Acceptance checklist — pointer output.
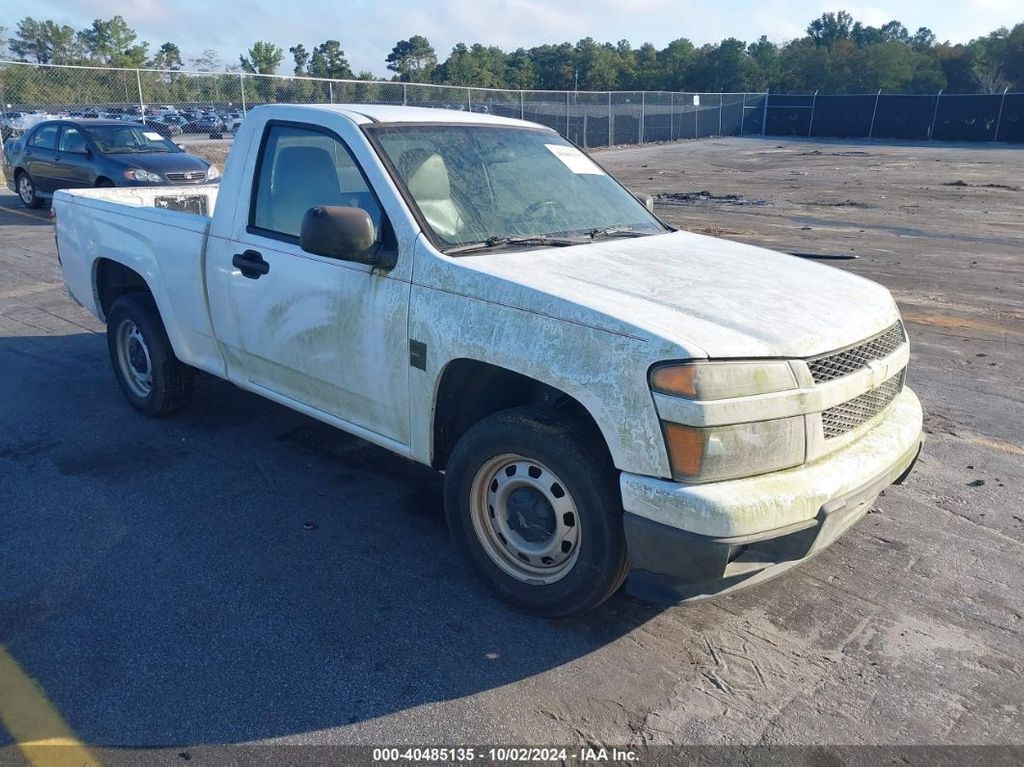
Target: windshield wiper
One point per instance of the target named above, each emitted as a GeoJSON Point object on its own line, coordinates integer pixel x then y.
{"type": "Point", "coordinates": [504, 242]}
{"type": "Point", "coordinates": [615, 231]}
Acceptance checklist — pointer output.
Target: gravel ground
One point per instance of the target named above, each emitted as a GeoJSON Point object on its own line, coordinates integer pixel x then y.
{"type": "Point", "coordinates": [157, 580]}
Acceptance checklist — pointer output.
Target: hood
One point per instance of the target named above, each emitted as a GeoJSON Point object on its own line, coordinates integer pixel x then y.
{"type": "Point", "coordinates": [159, 162]}
{"type": "Point", "coordinates": [711, 297]}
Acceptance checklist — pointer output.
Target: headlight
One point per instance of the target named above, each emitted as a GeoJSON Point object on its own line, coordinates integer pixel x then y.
{"type": "Point", "coordinates": [716, 453]}
{"type": "Point", "coordinates": [138, 174]}
{"type": "Point", "coordinates": [212, 174]}
{"type": "Point", "coordinates": [727, 452]}
{"type": "Point", "coordinates": [722, 380]}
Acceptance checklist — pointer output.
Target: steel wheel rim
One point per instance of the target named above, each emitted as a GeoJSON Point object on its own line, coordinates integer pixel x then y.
{"type": "Point", "coordinates": [525, 519]}
{"type": "Point", "coordinates": [133, 359]}
{"type": "Point", "coordinates": [25, 189]}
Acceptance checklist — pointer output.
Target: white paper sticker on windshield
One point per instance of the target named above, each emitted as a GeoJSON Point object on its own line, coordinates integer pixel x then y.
{"type": "Point", "coordinates": [574, 159]}
{"type": "Point", "coordinates": [152, 135]}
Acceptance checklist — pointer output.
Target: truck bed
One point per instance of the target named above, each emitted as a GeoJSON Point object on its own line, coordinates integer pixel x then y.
{"type": "Point", "coordinates": [195, 200]}
{"type": "Point", "coordinates": [159, 232]}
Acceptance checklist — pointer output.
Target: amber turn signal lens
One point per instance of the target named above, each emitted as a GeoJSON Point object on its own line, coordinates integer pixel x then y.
{"type": "Point", "coordinates": [685, 449]}
{"type": "Point", "coordinates": [680, 380]}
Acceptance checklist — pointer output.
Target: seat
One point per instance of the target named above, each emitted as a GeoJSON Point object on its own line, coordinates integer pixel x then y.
{"type": "Point", "coordinates": [426, 177]}
{"type": "Point", "coordinates": [304, 177]}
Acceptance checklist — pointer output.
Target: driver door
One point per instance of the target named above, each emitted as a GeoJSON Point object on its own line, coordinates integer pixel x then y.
{"type": "Point", "coordinates": [327, 334]}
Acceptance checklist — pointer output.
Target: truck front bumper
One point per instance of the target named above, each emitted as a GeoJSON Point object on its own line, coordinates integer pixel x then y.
{"type": "Point", "coordinates": [688, 542]}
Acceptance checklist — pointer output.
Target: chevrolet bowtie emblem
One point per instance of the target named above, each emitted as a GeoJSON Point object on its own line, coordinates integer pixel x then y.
{"type": "Point", "coordinates": [879, 373]}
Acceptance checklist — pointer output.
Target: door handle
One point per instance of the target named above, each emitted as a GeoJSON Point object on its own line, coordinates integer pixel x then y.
{"type": "Point", "coordinates": [250, 264]}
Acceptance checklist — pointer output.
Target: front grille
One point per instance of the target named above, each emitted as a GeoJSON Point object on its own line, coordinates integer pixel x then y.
{"type": "Point", "coordinates": [192, 175]}
{"type": "Point", "coordinates": [848, 415]}
{"type": "Point", "coordinates": [833, 365]}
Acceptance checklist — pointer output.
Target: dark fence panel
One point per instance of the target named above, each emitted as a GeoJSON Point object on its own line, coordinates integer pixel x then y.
{"type": "Point", "coordinates": [685, 118]}
{"type": "Point", "coordinates": [943, 117]}
{"type": "Point", "coordinates": [657, 110]}
{"type": "Point", "coordinates": [732, 114]}
{"type": "Point", "coordinates": [842, 116]}
{"type": "Point", "coordinates": [788, 115]}
{"type": "Point", "coordinates": [1011, 126]}
{"type": "Point", "coordinates": [753, 114]}
{"type": "Point", "coordinates": [905, 117]}
{"type": "Point", "coordinates": [967, 118]}
{"type": "Point", "coordinates": [708, 115]}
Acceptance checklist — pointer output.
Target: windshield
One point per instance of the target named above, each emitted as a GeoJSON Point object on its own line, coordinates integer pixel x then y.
{"type": "Point", "coordinates": [128, 139]}
{"type": "Point", "coordinates": [497, 185]}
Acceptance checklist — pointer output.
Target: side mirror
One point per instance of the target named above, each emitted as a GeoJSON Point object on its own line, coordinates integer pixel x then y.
{"type": "Point", "coordinates": [339, 232]}
{"type": "Point", "coordinates": [647, 200]}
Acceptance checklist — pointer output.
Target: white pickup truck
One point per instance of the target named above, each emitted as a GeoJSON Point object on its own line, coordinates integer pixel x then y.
{"type": "Point", "coordinates": [606, 396]}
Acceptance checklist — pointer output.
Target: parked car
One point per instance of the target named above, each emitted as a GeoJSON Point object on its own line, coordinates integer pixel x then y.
{"type": "Point", "coordinates": [205, 124]}
{"type": "Point", "coordinates": [165, 129]}
{"type": "Point", "coordinates": [70, 154]}
{"type": "Point", "coordinates": [233, 122]}
{"type": "Point", "coordinates": [606, 395]}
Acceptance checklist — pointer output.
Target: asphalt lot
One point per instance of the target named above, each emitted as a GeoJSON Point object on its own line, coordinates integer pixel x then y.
{"type": "Point", "coordinates": [157, 579]}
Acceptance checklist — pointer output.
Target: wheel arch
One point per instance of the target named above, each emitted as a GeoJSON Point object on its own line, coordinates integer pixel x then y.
{"type": "Point", "coordinates": [111, 279]}
{"type": "Point", "coordinates": [469, 390]}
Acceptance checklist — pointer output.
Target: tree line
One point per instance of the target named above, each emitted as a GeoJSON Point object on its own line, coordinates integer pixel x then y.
{"type": "Point", "coordinates": [836, 55]}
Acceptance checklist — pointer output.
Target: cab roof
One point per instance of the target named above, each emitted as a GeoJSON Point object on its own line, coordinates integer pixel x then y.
{"type": "Point", "coordinates": [385, 113]}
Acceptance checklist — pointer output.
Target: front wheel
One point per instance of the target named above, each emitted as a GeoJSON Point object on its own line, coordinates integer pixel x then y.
{"type": "Point", "coordinates": [533, 505]}
{"type": "Point", "coordinates": [27, 191]}
{"type": "Point", "coordinates": [153, 380]}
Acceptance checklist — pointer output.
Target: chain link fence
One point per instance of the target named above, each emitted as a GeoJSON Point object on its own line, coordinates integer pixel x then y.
{"type": "Point", "coordinates": [915, 117]}
{"type": "Point", "coordinates": [212, 102]}
{"type": "Point", "coordinates": [202, 103]}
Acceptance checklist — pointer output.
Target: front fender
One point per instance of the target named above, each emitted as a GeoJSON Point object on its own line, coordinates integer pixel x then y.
{"type": "Point", "coordinates": [605, 372]}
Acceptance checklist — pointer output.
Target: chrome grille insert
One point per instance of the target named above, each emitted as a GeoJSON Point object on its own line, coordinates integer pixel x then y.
{"type": "Point", "coordinates": [192, 175]}
{"type": "Point", "coordinates": [829, 367]}
{"type": "Point", "coordinates": [848, 415]}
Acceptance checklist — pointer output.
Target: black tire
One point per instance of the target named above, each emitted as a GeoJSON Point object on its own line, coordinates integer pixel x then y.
{"type": "Point", "coordinates": [27, 190]}
{"type": "Point", "coordinates": [104, 183]}
{"type": "Point", "coordinates": [170, 381]}
{"type": "Point", "coordinates": [571, 453]}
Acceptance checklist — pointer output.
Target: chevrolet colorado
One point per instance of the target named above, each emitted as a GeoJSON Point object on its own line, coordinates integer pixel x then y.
{"type": "Point", "coordinates": [607, 396]}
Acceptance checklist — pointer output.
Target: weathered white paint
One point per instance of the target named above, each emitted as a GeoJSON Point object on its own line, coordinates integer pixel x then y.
{"type": "Point", "coordinates": [331, 339]}
{"type": "Point", "coordinates": [810, 398]}
{"type": "Point", "coordinates": [756, 504]}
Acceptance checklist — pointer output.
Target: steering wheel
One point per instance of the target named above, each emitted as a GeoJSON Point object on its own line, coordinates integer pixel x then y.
{"type": "Point", "coordinates": [542, 210]}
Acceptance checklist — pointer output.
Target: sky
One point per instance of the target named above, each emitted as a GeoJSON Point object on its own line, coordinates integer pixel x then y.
{"type": "Point", "coordinates": [368, 29]}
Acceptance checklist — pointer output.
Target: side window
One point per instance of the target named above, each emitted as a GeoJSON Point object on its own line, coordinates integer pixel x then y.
{"type": "Point", "coordinates": [71, 140]}
{"type": "Point", "coordinates": [300, 169]}
{"type": "Point", "coordinates": [45, 137]}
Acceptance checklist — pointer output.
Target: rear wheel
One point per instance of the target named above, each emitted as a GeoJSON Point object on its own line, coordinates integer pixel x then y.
{"type": "Point", "coordinates": [534, 507]}
{"type": "Point", "coordinates": [27, 191]}
{"type": "Point", "coordinates": [152, 379]}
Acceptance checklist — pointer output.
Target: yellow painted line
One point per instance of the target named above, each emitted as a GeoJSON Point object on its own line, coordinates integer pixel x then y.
{"type": "Point", "coordinates": [997, 444]}
{"type": "Point", "coordinates": [5, 209]}
{"type": "Point", "coordinates": [44, 738]}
